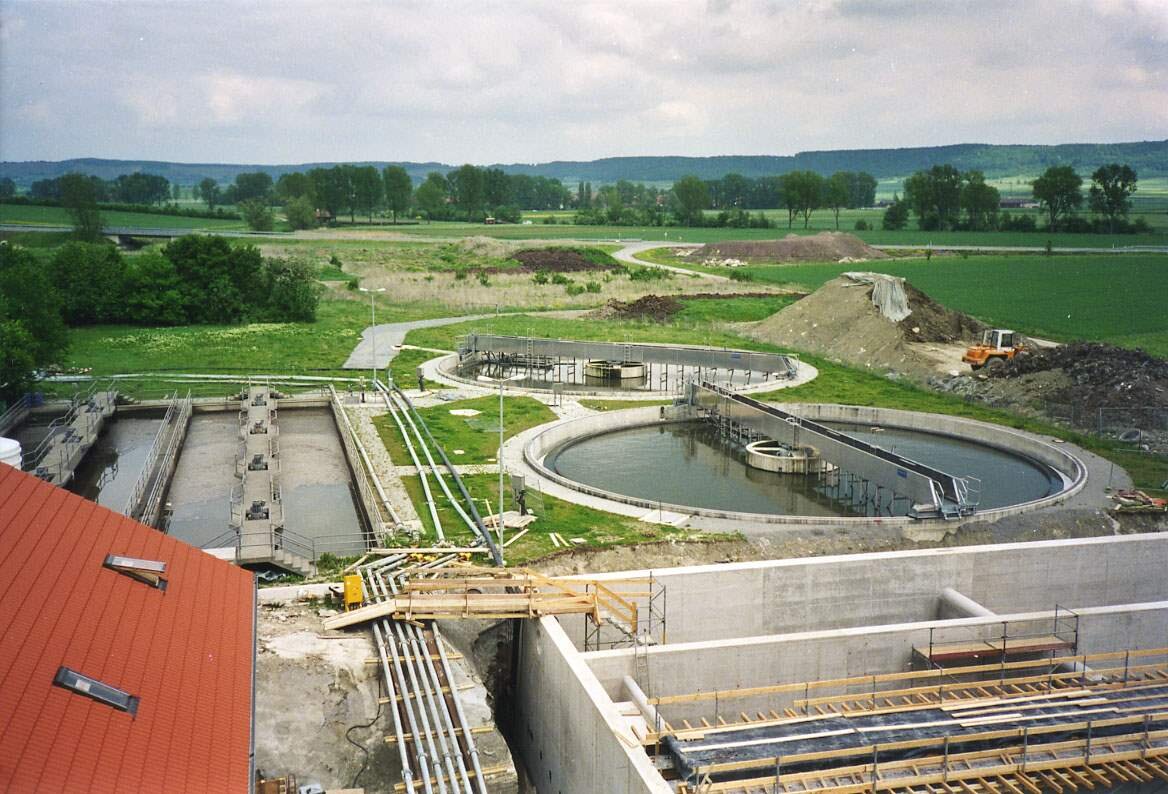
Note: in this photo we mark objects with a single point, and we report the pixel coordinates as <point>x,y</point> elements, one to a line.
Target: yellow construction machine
<point>997,346</point>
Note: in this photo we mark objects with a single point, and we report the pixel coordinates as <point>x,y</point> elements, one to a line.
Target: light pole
<point>373,329</point>
<point>499,521</point>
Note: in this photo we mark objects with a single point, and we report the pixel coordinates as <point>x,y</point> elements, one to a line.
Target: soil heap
<point>822,247</point>
<point>485,246</point>
<point>556,260</point>
<point>1099,375</point>
<point>841,321</point>
<point>661,308</point>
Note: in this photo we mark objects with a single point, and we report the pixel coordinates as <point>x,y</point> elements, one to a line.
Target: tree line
<point>192,280</point>
<point>943,198</point>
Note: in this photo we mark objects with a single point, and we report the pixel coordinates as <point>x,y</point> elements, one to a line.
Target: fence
<point>1144,427</point>
<point>145,500</point>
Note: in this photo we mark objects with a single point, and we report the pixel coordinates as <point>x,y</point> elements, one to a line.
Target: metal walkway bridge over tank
<point>932,492</point>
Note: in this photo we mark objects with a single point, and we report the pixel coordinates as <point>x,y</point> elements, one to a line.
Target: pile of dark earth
<point>661,308</point>
<point>932,322</point>
<point>556,260</point>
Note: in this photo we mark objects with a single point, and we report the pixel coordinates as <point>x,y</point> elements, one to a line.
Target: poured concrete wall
<point>844,653</point>
<point>567,726</point>
<point>715,602</point>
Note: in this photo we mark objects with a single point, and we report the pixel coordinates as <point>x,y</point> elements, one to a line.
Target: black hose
<point>349,739</point>
<point>498,557</point>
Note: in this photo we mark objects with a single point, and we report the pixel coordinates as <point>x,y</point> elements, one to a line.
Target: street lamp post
<point>373,329</point>
<point>499,521</point>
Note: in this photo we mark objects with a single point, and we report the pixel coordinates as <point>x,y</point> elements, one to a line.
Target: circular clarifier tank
<point>687,464</point>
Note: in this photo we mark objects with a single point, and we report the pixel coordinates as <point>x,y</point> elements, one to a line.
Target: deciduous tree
<point>1110,195</point>
<point>79,198</point>
<point>1058,191</point>
<point>398,189</point>
<point>692,197</point>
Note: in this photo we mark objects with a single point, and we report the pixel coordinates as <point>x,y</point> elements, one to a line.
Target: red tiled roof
<point>186,652</point>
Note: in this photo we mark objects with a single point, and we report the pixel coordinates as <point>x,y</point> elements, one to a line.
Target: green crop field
<point>56,216</point>
<point>1119,299</point>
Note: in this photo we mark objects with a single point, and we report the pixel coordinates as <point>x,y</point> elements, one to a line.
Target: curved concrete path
<point>626,255</point>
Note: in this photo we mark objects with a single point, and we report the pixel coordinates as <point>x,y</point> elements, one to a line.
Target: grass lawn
<point>56,216</point>
<point>477,436</point>
<point>288,348</point>
<point>596,528</point>
<point>403,368</point>
<point>616,405</point>
<point>733,310</point>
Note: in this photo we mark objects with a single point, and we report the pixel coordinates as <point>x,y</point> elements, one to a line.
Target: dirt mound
<point>1099,375</point>
<point>822,247</point>
<point>485,246</point>
<point>657,308</point>
<point>840,321</point>
<point>660,308</point>
<point>555,260</point>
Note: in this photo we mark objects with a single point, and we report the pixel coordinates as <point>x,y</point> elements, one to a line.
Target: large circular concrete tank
<point>10,452</point>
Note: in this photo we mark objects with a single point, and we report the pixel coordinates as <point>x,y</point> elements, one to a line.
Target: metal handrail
<point>15,413</point>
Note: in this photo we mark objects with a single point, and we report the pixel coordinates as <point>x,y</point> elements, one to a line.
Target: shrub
<point>573,289</point>
<point>301,214</point>
<point>483,279</point>
<point>335,261</point>
<point>862,225</point>
<point>540,277</point>
<point>258,215</point>
<point>592,286</point>
<point>460,275</point>
<point>291,290</point>
<point>649,274</point>
<point>560,278</point>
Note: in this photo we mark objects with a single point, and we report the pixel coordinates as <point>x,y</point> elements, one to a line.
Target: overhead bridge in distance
<point>933,493</point>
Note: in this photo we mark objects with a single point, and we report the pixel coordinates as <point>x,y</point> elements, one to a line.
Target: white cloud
<point>528,80</point>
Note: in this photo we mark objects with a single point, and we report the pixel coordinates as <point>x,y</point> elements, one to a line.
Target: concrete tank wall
<point>853,652</point>
<point>713,602</point>
<point>566,725</point>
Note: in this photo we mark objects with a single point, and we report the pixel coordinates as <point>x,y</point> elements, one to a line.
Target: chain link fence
<point>1144,428</point>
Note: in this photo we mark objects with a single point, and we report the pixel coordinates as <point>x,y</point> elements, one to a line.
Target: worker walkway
<point>70,436</point>
<point>257,510</point>
<point>1049,724</point>
<point>930,491</point>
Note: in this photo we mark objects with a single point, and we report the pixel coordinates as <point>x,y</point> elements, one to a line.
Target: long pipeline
<point>482,529</point>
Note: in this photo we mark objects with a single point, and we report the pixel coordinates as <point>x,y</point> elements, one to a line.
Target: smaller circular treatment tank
<point>614,370</point>
<point>769,455</point>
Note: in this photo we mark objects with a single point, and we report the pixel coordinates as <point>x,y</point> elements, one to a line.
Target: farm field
<point>1117,299</point>
<point>56,216</point>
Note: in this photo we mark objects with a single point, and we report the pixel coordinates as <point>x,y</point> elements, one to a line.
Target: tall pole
<point>500,523</point>
<point>373,336</point>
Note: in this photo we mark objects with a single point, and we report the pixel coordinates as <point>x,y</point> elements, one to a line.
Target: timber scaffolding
<point>864,473</point>
<point>558,359</point>
<point>1054,724</point>
<point>57,456</point>
<point>145,503</point>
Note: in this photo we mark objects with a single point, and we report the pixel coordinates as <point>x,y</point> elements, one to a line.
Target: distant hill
<point>1149,158</point>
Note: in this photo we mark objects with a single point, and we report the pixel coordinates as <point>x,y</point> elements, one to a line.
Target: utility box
<point>354,596</point>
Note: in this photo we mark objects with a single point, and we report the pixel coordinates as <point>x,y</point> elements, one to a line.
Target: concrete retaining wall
<point>821,655</point>
<point>1068,466</point>
<point>716,602</point>
<point>567,726</point>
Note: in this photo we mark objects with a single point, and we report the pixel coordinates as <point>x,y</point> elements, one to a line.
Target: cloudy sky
<point>532,80</point>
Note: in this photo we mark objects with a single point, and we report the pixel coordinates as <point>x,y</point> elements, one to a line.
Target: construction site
<point>889,599</point>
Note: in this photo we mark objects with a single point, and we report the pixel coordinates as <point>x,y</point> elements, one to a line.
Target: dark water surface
<point>686,464</point>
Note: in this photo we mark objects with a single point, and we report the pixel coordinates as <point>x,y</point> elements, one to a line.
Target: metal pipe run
<point>417,464</point>
<point>478,521</point>
<point>467,735</point>
<point>405,702</point>
<point>430,459</point>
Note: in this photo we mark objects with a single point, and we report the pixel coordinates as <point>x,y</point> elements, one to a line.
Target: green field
<point>56,216</point>
<point>1118,299</point>
<point>477,436</point>
<point>596,528</point>
<point>821,221</point>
